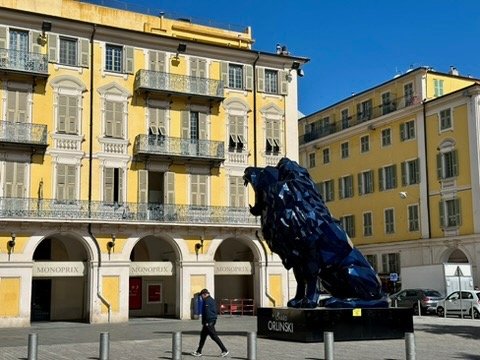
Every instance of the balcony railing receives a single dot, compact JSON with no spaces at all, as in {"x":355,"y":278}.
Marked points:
{"x":23,"y":61}
{"x":49,"y":209}
{"x":161,"y":146}
{"x":18,"y":133}
{"x":358,"y":118}
{"x":148,"y":80}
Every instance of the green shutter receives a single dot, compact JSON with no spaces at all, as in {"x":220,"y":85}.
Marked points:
{"x":52,"y":48}
{"x":129,"y":65}
{"x":84,"y":53}
{"x":360,"y":183}
{"x":455,"y":162}
{"x":417,"y":171}
{"x":340,"y":188}
{"x":224,"y":73}
{"x":380,"y":179}
{"x":458,"y":212}
{"x":170,"y":188}
{"x":3,"y":37}
{"x":261,"y":79}
{"x":441,"y":212}
{"x":142,"y":186}
{"x":402,"y":132}
{"x":248,"y":77}
{"x":439,"y":166}
{"x":403,"y":168}
{"x":395,"y":175}
{"x":283,"y":82}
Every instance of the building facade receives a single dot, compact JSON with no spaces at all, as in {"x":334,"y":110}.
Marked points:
{"x":398,"y":165}
{"x":123,"y":141}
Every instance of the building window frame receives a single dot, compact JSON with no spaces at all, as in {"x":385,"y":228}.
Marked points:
{"x":326,"y":190}
{"x":345,"y":187}
{"x":365,"y":182}
{"x":387,"y":177}
{"x":450,"y":213}
{"x":326,"y":155}
{"x":364,"y":143}
{"x":445,"y":119}
{"x":312,"y":160}
{"x":344,"y":150}
{"x":413,"y":217}
{"x":407,"y":130}
{"x":114,"y":58}
{"x":367,"y":223}
{"x":271,"y":81}
{"x":348,"y":224}
{"x":235,"y":76}
{"x":386,"y":137}
{"x":389,"y":220}
{"x":68,"y":51}
{"x":447,"y":164}
{"x":410,"y":172}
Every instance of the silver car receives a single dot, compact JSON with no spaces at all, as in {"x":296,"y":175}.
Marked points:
{"x":412,"y":298}
{"x":463,"y":302}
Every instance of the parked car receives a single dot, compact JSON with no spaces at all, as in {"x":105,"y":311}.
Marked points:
{"x":458,"y":302}
{"x":410,"y":298}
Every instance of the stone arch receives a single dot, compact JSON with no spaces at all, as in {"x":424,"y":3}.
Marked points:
{"x":179,"y":247}
{"x":454,"y":255}
{"x":253,"y":244}
{"x":236,"y":104}
{"x":67,"y":81}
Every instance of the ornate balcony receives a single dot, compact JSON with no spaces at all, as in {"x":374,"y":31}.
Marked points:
{"x":17,"y":135}
{"x":173,"y":84}
{"x":24,"y":62}
{"x":79,"y":210}
{"x":178,"y":150}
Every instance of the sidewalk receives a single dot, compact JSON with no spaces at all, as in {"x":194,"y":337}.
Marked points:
{"x":435,"y":338}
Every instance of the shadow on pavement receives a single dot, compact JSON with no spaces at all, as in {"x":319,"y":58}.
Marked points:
{"x":467,"y":332}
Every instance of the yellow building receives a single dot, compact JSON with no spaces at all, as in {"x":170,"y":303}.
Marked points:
{"x":398,"y":165}
{"x":123,"y":141}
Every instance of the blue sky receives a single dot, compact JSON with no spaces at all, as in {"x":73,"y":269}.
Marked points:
{"x":352,"y":44}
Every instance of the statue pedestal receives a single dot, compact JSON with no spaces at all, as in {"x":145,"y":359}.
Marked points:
{"x":308,"y":325}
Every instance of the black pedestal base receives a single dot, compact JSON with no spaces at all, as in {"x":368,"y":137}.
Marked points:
{"x":308,"y":325}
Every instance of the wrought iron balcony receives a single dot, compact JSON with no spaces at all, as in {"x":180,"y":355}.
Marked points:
{"x":178,"y":149}
{"x":173,"y":84}
{"x":335,"y":126}
{"x":24,"y":62}
{"x":23,"y":135}
{"x":81,"y":210}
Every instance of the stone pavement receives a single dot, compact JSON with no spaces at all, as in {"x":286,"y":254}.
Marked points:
{"x":435,"y":338}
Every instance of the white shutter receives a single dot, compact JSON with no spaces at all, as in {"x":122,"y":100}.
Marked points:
{"x":261,"y":79}
{"x":248,"y":77}
{"x":84,"y":53}
{"x":35,"y":47}
{"x":169,"y":180}
{"x":62,"y":113}
{"x":128,"y":54}
{"x":52,"y":48}
{"x":108,"y":185}
{"x":282,"y":82}
{"x":202,"y":126}
{"x":70,"y":182}
{"x":3,"y":37}
{"x":109,"y":117}
{"x":142,"y":186}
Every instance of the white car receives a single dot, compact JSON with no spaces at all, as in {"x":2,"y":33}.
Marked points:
{"x":458,"y":302}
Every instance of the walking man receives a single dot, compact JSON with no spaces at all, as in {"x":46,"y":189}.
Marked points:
{"x":209,"y":318}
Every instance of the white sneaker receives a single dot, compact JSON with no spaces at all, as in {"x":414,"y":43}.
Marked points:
{"x":224,"y":353}
{"x":196,"y":354}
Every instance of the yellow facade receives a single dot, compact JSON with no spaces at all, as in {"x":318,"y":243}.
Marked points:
{"x":387,"y":149}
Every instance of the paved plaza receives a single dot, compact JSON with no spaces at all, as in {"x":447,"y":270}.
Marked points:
{"x":435,"y":338}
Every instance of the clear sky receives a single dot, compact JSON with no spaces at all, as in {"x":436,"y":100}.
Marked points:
{"x":352,"y":44}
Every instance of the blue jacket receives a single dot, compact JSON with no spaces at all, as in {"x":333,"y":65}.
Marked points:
{"x":209,"y":310}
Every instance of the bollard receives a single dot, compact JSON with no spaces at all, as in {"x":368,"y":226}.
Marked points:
{"x":32,"y":346}
{"x":328,"y":343}
{"x":419,"y":308}
{"x":177,"y":345}
{"x":252,"y":346}
{"x":410,"y":346}
{"x":104,"y":346}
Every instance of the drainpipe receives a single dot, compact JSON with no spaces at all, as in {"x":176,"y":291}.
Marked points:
{"x":255,"y":111}
{"x":424,"y":105}
{"x":270,"y":297}
{"x":90,"y":157}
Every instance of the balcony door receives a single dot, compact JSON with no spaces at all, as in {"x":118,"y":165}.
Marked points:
{"x":18,"y":49}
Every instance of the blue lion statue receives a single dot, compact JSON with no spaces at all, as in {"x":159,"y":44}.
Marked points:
{"x":298,"y":227}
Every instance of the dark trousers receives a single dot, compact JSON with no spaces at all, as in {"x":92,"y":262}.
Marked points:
{"x":209,"y":330}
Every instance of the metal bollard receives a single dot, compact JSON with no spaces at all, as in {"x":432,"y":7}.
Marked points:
{"x":252,"y":346}
{"x":104,"y":346}
{"x":32,"y":346}
{"x":177,"y":345}
{"x":328,"y":343}
{"x":410,"y":346}
{"x":419,"y":308}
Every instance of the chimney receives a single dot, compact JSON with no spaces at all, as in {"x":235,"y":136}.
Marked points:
{"x":453,"y":70}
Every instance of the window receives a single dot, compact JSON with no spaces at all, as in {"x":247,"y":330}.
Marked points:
{"x":325,"y":188}
{"x":387,"y":104}
{"x":273,"y":137}
{"x":157,"y":120}
{"x":237,"y":191}
{"x":389,"y":221}
{"x":236,"y":128}
{"x":114,"y":58}
{"x":408,"y":94}
{"x":387,"y":177}
{"x":113,"y":185}
{"x":438,"y":86}
{"x":66,"y":182}
{"x":447,"y":164}
{"x":345,"y":119}
{"x":68,"y":51}
{"x":326,"y":156}
{"x":198,"y":190}
{"x":271,"y":81}
{"x":410,"y":172}
{"x":450,"y":213}
{"x":344,"y":148}
{"x":445,"y":119}
{"x":15,"y":185}
{"x":345,"y":187}
{"x":67,"y":114}
{"x":18,"y":106}
{"x":372,"y":259}
{"x":364,"y":110}
{"x":311,"y":160}
{"x":364,"y":143}
{"x":407,"y":130}
{"x":367,"y":224}
{"x":114,"y":119}
{"x":324,"y":126}
{"x":386,"y":137}
{"x":365,"y":182}
{"x":348,"y":224}
{"x":391,"y":263}
{"x":413,"y":222}
{"x":235,"y":76}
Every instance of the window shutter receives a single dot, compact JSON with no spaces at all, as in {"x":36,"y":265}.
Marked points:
{"x":35,"y":47}
{"x":22,"y":114}
{"x":233,"y":191}
{"x":156,"y":61}
{"x":439,"y":166}
{"x":203,"y":189}
{"x":62,"y":113}
{"x":194,"y":67}
{"x":394,"y":172}
{"x":403,"y":168}
{"x":185,"y":126}
{"x":194,"y":189}
{"x":458,"y":212}
{"x":52,"y":48}
{"x":108,"y":185}
{"x":283,"y":82}
{"x":261,"y":79}
{"x":350,"y":186}
{"x":417,"y":171}
{"x":402,"y":132}
{"x":20,"y":188}
{"x":129,"y":66}
{"x":202,"y":126}
{"x":3,"y":37}
{"x":162,"y":119}
{"x":455,"y":162}
{"x":120,"y":186}
{"x":72,"y":112}
{"x":170,"y":190}
{"x":380,"y":179}
{"x":9,"y":174}
{"x":359,"y":111}
{"x":142,"y":186}
{"x":84,"y":53}
{"x":202,"y":68}
{"x":11,"y":105}
{"x":109,"y":117}
{"x":340,"y":188}
{"x":61,"y":183}
{"x":248,"y":77}
{"x":118,"y":120}
{"x":70,"y":183}
{"x":360,"y":184}
{"x":224,"y":73}
{"x":442,"y":214}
